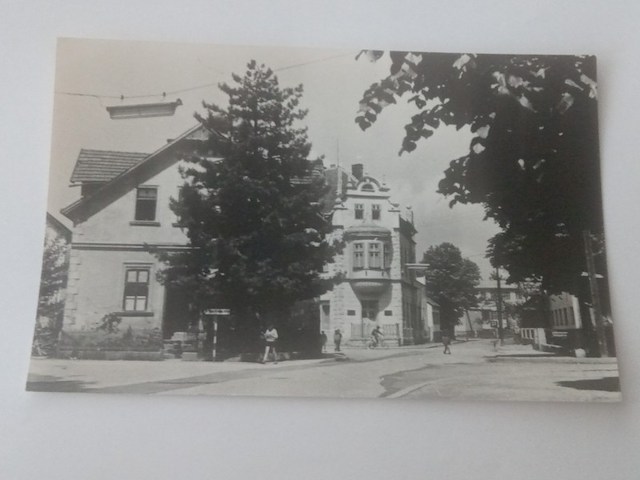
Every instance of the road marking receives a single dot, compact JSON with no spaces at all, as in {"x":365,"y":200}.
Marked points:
{"x":411,"y":389}
{"x":433,"y":383}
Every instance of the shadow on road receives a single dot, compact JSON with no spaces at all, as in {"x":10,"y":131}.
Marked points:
{"x":46,"y":383}
{"x":605,"y":384}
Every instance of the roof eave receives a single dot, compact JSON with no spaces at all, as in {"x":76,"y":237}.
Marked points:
{"x":73,"y":211}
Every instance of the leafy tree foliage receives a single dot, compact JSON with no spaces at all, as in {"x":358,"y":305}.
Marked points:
{"x":450,"y":280}
{"x":533,"y":161}
{"x":51,"y":300}
{"x":252,"y":214}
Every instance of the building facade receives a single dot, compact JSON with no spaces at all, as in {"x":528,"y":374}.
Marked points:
{"x":376,"y":288}
{"x":115,"y":306}
{"x":485,"y":317}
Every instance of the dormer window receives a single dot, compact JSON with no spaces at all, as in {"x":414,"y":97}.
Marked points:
{"x":146,"y":202}
{"x":367,"y":187}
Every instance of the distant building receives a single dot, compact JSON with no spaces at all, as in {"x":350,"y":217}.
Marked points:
{"x":377,"y":288}
{"x":431,"y":312}
{"x":484,"y":317}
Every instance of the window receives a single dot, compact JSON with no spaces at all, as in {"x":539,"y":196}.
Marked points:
{"x":369,"y":309}
{"x":359,"y":211}
{"x":358,"y":256}
{"x":375,"y":257}
{"x":136,"y":290}
{"x":351,"y":313}
{"x":388,"y":313}
{"x":146,"y":200}
{"x":367,"y":187}
{"x":375,"y":211}
{"x":325,"y":315}
{"x":386,"y":249}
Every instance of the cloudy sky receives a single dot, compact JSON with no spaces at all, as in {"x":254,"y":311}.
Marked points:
{"x":333,"y":81}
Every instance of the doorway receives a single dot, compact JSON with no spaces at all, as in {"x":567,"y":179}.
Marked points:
{"x":178,"y":314}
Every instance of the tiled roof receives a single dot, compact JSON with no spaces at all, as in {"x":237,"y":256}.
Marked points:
{"x":103,"y":165}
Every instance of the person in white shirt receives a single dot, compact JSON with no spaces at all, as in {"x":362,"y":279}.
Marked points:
{"x":270,"y":337}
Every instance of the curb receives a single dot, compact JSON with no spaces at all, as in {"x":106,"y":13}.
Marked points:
{"x":552,"y":359}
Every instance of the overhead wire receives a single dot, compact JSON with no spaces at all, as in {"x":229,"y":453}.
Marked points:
{"x":195,"y":87}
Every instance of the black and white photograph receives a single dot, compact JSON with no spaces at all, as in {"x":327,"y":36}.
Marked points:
{"x":307,"y":222}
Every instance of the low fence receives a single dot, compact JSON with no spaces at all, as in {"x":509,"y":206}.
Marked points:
{"x":362,"y":332}
{"x":536,"y":336}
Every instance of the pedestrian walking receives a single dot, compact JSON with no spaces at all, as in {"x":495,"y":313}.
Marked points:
{"x":337,"y":339}
{"x":270,"y":337}
{"x":323,"y":341}
{"x":446,"y":341}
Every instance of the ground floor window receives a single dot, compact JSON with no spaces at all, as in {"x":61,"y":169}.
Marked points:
{"x":136,"y":289}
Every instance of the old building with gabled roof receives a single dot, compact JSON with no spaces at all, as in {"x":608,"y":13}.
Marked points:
{"x":94,"y":168}
{"x":122,"y":215}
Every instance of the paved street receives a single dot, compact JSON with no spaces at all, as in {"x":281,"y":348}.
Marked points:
{"x":475,"y":370}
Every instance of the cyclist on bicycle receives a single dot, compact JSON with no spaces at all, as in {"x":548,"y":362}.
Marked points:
{"x":377,"y":337}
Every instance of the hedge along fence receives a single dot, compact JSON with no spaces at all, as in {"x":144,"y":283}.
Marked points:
{"x":129,"y":344}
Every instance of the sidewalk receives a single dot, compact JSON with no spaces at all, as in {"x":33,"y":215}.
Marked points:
{"x":526,"y":353}
{"x":47,"y":374}
{"x":99,"y":374}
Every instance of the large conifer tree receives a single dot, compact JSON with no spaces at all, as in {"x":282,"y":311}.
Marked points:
{"x":251,"y":205}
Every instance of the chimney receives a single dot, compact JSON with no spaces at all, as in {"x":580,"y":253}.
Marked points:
{"x":357,"y":170}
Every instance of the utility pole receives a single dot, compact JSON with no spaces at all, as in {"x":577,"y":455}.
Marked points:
{"x":499,"y":308}
{"x":595,"y":295}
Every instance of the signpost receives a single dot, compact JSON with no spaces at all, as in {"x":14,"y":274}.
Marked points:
{"x":215,"y":313}
{"x":499,"y":307}
{"x":595,"y":296}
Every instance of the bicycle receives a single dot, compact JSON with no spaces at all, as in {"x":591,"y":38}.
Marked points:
{"x":375,"y":342}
